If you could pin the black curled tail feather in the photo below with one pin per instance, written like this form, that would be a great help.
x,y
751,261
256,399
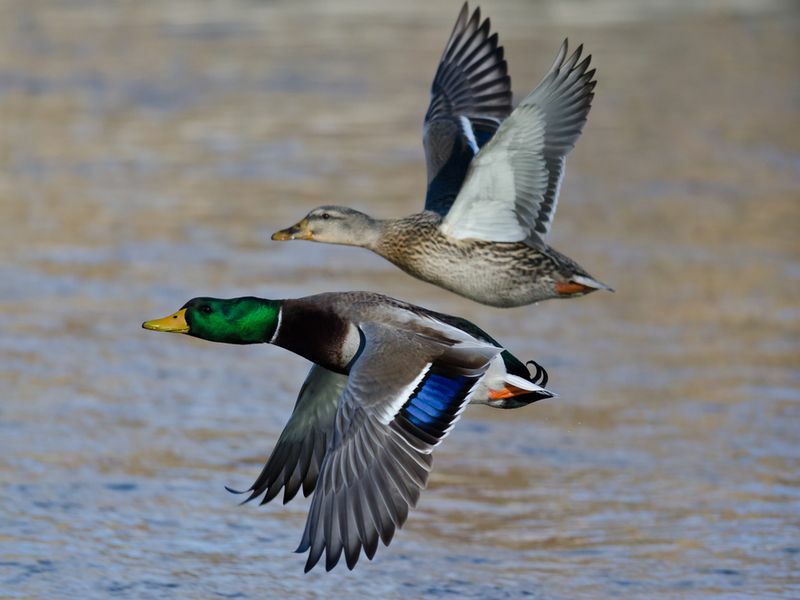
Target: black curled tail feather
x,y
540,377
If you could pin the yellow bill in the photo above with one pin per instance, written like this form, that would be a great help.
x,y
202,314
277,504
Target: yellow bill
x,y
174,323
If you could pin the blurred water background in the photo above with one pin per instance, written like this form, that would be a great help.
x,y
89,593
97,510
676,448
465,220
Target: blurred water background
x,y
147,151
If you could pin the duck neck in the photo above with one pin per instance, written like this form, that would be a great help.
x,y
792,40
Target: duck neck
x,y
372,233
315,332
258,321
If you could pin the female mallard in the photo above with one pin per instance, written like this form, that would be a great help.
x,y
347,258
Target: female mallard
x,y
492,187
389,381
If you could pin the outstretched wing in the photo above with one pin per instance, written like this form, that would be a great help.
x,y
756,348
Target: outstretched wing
x,y
297,456
511,191
470,96
404,394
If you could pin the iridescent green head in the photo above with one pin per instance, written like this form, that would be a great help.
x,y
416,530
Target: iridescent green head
x,y
247,320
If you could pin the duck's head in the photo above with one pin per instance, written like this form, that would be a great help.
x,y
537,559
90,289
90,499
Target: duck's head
x,y
247,320
332,225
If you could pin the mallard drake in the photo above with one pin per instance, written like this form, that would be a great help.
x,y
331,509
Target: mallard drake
x,y
389,382
493,180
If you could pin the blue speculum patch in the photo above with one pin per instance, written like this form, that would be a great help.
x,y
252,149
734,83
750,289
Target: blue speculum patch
x,y
433,405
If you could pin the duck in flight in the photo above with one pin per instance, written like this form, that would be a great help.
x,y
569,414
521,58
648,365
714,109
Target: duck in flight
x,y
388,383
493,180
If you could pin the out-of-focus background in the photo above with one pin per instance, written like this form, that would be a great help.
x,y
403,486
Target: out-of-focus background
x,y
147,151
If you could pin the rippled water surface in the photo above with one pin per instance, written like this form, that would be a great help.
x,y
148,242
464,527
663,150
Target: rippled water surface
x,y
147,150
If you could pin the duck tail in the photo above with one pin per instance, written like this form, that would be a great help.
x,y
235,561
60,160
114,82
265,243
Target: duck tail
x,y
521,391
592,283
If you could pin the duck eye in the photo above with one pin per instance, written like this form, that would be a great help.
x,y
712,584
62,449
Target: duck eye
x,y
326,216
206,309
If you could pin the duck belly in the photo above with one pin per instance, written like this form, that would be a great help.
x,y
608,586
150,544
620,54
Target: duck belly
x,y
504,276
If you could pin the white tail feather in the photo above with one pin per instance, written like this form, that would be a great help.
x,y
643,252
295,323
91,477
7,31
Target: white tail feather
x,y
524,384
592,283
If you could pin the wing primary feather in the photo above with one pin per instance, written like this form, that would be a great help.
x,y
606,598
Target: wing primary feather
x,y
333,533
371,542
388,519
316,526
317,456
